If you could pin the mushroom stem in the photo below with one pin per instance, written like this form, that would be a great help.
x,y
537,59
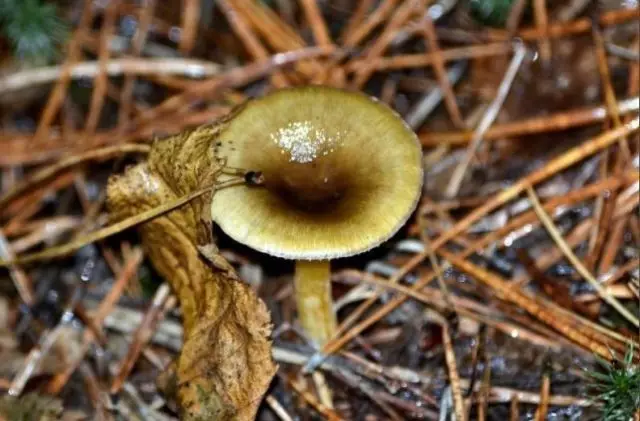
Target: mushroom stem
x,y
313,297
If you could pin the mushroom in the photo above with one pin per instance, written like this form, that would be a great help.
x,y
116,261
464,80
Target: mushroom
x,y
342,173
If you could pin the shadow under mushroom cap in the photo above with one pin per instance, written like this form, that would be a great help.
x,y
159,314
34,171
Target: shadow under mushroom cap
x,y
342,173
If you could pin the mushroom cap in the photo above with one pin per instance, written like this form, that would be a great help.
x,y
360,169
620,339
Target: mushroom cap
x,y
342,173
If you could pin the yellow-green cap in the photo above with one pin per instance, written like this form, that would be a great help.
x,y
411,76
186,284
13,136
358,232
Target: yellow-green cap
x,y
342,173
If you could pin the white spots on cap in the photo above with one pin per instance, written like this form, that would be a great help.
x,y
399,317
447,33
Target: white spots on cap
x,y
303,141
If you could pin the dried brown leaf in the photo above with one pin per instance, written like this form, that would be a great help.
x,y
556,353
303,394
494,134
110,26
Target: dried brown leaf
x,y
225,365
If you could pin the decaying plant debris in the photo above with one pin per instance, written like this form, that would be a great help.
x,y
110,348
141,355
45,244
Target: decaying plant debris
x,y
225,365
511,294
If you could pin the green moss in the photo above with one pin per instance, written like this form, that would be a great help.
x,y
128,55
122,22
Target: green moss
x,y
616,387
33,28
491,12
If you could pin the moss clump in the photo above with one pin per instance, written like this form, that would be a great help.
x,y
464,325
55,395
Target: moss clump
x,y
33,29
616,387
491,12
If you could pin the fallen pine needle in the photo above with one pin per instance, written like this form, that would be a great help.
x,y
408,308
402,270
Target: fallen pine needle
x,y
454,377
582,270
46,173
126,223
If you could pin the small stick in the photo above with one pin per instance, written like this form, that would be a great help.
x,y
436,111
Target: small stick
x,y
44,345
505,395
43,233
278,34
95,393
609,93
